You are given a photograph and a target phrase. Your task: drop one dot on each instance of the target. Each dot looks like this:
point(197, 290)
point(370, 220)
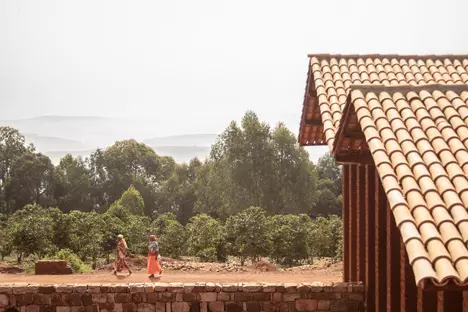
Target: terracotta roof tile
point(331, 76)
point(413, 112)
point(418, 137)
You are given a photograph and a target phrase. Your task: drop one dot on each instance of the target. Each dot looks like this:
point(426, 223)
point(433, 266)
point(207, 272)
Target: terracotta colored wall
point(178, 297)
point(374, 253)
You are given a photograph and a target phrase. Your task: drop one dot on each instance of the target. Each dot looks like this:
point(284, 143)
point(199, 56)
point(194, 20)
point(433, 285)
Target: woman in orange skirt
point(153, 258)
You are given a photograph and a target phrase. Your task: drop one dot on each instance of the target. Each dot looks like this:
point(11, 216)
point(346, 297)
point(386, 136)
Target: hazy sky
point(196, 65)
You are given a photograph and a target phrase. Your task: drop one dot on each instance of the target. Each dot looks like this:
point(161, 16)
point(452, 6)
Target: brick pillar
point(408, 291)
point(380, 247)
point(345, 212)
point(465, 301)
point(360, 222)
point(393, 263)
point(370, 208)
point(453, 301)
point(427, 301)
point(352, 224)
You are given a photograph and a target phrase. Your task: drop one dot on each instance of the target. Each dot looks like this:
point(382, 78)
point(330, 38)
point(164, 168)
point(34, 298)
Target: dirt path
point(176, 276)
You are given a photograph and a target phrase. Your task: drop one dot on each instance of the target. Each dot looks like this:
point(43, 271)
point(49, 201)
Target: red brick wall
point(178, 297)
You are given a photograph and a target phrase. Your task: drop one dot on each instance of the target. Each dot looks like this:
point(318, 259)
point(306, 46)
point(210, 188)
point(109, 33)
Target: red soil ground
point(191, 272)
point(139, 277)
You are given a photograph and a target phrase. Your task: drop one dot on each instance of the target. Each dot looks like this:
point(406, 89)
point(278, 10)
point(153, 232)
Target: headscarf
point(120, 236)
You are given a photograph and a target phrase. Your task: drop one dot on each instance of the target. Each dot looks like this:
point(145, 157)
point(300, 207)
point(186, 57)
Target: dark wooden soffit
point(311, 126)
point(350, 145)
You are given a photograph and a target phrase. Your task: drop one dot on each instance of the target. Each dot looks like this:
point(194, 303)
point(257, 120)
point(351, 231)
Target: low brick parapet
point(184, 297)
point(51, 267)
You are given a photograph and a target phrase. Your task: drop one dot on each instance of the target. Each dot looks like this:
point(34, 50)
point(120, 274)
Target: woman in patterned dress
point(121, 252)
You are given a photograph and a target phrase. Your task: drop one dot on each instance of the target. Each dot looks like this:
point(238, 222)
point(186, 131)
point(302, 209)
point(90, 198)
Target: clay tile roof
point(418, 138)
point(331, 76)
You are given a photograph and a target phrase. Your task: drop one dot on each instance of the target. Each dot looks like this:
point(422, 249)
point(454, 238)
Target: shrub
point(87, 235)
point(131, 199)
point(289, 238)
point(136, 234)
point(172, 240)
point(208, 254)
point(6, 241)
point(73, 260)
point(31, 229)
point(117, 210)
point(205, 234)
point(324, 236)
point(247, 234)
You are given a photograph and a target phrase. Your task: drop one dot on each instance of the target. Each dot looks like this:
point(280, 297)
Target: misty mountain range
point(56, 136)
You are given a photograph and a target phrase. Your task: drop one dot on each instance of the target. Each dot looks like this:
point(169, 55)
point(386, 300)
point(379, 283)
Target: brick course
point(178, 297)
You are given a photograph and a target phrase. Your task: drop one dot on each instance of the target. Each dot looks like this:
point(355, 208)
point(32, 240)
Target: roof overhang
point(311, 125)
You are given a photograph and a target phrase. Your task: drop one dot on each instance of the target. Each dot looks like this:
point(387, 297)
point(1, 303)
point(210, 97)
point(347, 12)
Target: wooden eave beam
point(364, 159)
point(313, 122)
point(354, 135)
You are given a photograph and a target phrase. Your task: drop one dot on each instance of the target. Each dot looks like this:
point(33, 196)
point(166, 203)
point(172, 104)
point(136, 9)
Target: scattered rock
point(11, 270)
point(263, 266)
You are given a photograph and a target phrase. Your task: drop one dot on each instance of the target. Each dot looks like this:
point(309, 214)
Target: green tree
point(87, 235)
point(12, 146)
point(328, 170)
point(209, 186)
point(288, 234)
point(172, 240)
point(131, 200)
point(73, 189)
point(178, 192)
point(98, 177)
point(324, 236)
point(242, 161)
point(158, 226)
point(116, 210)
point(327, 202)
point(32, 179)
point(171, 235)
point(6, 243)
point(136, 234)
point(247, 234)
point(130, 203)
point(32, 231)
point(336, 228)
point(61, 224)
point(250, 165)
point(293, 181)
point(206, 238)
point(131, 163)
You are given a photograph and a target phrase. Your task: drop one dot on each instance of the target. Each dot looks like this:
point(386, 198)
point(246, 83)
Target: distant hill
point(183, 153)
point(183, 140)
point(56, 136)
point(46, 144)
point(92, 131)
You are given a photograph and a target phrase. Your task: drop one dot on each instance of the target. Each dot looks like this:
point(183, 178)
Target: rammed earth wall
point(178, 297)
